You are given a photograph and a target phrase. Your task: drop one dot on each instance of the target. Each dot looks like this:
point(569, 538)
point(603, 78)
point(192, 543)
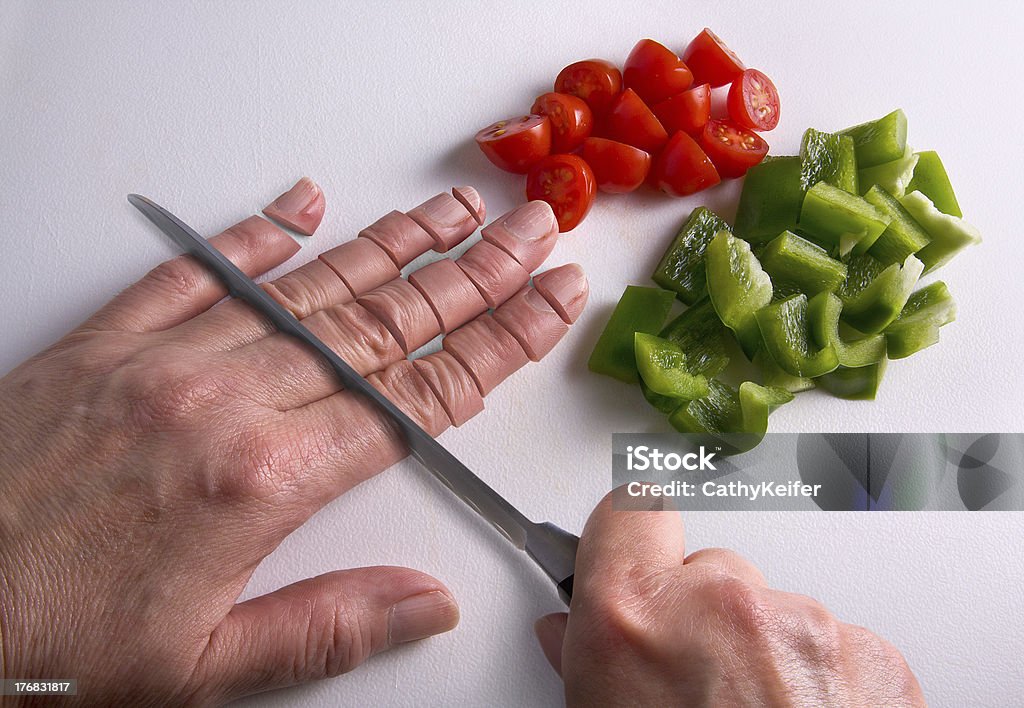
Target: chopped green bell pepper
point(860, 384)
point(639, 310)
point(736, 419)
point(918, 325)
point(785, 330)
point(823, 313)
point(773, 375)
point(701, 336)
point(893, 176)
point(873, 296)
point(949, 234)
point(665, 404)
point(662, 366)
point(682, 267)
point(931, 180)
point(796, 263)
point(840, 220)
point(903, 237)
point(770, 200)
point(738, 287)
point(828, 157)
point(878, 141)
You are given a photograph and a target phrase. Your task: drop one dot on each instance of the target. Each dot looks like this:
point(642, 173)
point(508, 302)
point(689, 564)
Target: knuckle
point(179, 276)
point(624, 609)
point(739, 606)
point(160, 393)
point(820, 634)
point(258, 466)
point(338, 640)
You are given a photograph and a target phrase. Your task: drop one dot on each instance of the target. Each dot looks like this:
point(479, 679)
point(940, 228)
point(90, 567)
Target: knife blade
point(552, 548)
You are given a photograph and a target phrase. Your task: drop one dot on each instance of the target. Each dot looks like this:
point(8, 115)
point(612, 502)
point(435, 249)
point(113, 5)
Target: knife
point(552, 548)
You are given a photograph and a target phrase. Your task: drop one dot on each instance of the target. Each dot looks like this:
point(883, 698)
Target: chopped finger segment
point(472, 200)
point(301, 208)
point(449, 292)
point(362, 264)
point(308, 288)
point(487, 351)
point(566, 290)
point(406, 388)
point(359, 338)
point(452, 385)
point(496, 274)
point(446, 219)
point(527, 233)
point(399, 236)
point(532, 321)
point(404, 311)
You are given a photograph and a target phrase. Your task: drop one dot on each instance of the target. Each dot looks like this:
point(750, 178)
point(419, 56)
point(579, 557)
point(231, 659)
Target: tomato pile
point(650, 123)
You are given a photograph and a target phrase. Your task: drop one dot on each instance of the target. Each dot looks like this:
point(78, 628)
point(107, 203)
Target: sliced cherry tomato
point(516, 144)
point(565, 182)
point(753, 101)
point(655, 72)
point(710, 60)
point(630, 121)
point(570, 116)
point(596, 81)
point(689, 110)
point(732, 149)
point(682, 167)
point(617, 167)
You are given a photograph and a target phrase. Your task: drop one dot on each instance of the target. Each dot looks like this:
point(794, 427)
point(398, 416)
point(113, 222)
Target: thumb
point(550, 631)
point(321, 627)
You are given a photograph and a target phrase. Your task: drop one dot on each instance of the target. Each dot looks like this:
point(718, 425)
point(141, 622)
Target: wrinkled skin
point(650, 625)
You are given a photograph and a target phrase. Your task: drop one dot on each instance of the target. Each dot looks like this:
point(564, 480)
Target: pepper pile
point(650, 123)
point(816, 284)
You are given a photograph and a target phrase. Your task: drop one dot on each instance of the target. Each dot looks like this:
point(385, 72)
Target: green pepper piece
point(903, 237)
point(949, 234)
point(828, 157)
point(918, 325)
point(738, 287)
point(662, 366)
point(639, 310)
point(770, 200)
point(931, 180)
point(786, 333)
point(893, 176)
point(823, 313)
point(859, 384)
point(840, 220)
point(682, 267)
point(796, 263)
point(665, 404)
point(878, 141)
point(701, 336)
point(873, 296)
point(773, 375)
point(736, 419)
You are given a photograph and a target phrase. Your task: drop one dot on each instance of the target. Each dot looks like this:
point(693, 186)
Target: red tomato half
point(630, 121)
point(689, 110)
point(732, 149)
point(753, 101)
point(565, 182)
point(596, 81)
point(710, 60)
point(571, 119)
point(516, 143)
point(655, 72)
point(617, 167)
point(682, 168)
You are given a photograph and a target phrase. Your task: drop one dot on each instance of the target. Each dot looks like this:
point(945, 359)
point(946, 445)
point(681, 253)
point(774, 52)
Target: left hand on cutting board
point(155, 455)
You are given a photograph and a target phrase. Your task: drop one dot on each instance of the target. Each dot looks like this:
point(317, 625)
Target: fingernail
point(531, 221)
point(566, 290)
point(421, 616)
point(297, 199)
point(300, 208)
point(471, 199)
point(446, 219)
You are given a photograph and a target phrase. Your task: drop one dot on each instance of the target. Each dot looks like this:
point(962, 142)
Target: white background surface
point(214, 109)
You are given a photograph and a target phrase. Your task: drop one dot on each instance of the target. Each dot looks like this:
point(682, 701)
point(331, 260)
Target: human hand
point(155, 455)
point(652, 626)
